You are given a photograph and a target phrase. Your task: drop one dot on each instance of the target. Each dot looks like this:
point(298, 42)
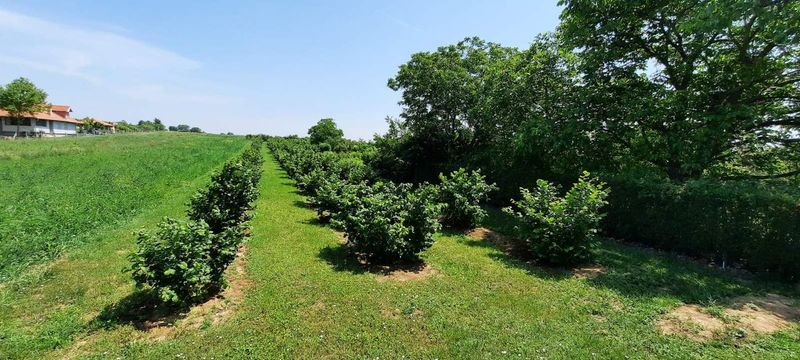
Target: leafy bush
point(310, 182)
point(336, 198)
point(185, 261)
point(395, 223)
point(175, 260)
point(462, 194)
point(352, 169)
point(749, 223)
point(561, 231)
point(228, 200)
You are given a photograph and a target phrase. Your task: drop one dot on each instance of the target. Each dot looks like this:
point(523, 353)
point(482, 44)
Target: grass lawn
point(305, 298)
point(58, 193)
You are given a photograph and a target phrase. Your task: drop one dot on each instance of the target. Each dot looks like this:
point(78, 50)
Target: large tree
point(688, 86)
point(496, 107)
point(22, 99)
point(443, 92)
point(326, 134)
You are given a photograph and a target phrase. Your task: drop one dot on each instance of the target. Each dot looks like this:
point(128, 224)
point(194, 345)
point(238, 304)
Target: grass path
point(308, 299)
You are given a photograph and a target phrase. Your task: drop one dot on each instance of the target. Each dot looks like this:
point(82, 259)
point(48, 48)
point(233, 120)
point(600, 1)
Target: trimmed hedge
point(734, 222)
point(228, 200)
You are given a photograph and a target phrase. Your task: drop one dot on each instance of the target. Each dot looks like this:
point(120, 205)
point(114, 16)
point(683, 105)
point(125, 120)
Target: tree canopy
point(21, 97)
point(680, 88)
point(326, 134)
point(688, 86)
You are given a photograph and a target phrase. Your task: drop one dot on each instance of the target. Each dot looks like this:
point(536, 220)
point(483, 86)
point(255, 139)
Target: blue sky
point(243, 66)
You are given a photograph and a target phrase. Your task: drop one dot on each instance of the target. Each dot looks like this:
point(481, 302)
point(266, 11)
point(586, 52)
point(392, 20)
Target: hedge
point(731, 222)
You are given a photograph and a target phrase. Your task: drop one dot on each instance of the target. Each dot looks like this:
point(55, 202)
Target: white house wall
point(59, 128)
point(62, 128)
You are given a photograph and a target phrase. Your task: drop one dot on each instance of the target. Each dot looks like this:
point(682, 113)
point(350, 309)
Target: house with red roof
point(56, 121)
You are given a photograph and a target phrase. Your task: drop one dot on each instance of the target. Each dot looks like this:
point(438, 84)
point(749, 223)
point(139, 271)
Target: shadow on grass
point(641, 272)
point(510, 254)
point(342, 259)
point(302, 204)
point(629, 270)
point(142, 309)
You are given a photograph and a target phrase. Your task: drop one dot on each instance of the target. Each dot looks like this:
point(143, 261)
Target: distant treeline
point(154, 125)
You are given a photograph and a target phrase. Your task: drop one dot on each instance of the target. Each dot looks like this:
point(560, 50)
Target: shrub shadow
point(646, 273)
point(302, 204)
point(143, 310)
point(630, 270)
point(343, 260)
point(340, 259)
point(509, 252)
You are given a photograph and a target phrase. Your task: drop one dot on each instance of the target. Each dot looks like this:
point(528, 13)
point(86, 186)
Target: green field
point(299, 295)
point(59, 193)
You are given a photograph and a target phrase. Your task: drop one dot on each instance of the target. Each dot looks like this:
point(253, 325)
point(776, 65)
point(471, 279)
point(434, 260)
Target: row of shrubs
point(741, 223)
point(737, 223)
point(184, 261)
point(386, 222)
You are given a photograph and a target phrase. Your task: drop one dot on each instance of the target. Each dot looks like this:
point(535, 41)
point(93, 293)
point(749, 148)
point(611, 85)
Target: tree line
point(154, 125)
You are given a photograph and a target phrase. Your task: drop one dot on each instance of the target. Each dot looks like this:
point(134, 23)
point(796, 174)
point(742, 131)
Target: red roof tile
point(63, 108)
point(48, 115)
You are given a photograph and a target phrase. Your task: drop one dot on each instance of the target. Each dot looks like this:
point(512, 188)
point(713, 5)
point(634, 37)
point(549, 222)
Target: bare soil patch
point(505, 243)
point(753, 314)
point(691, 321)
point(765, 314)
point(403, 273)
point(589, 271)
point(399, 272)
point(223, 305)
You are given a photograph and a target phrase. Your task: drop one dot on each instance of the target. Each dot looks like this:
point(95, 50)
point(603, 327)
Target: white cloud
point(105, 60)
point(77, 50)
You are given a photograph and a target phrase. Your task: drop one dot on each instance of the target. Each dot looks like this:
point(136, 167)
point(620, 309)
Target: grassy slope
point(45, 305)
point(309, 300)
point(58, 193)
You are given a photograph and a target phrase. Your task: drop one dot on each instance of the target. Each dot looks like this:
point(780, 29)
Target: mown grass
point(58, 193)
point(309, 299)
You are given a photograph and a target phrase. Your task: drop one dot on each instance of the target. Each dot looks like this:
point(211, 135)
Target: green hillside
point(58, 193)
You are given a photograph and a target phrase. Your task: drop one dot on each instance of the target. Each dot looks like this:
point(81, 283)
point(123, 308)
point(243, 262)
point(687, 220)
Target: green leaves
point(21, 97)
point(326, 135)
point(174, 260)
point(684, 85)
point(560, 230)
point(185, 261)
point(462, 194)
point(395, 223)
